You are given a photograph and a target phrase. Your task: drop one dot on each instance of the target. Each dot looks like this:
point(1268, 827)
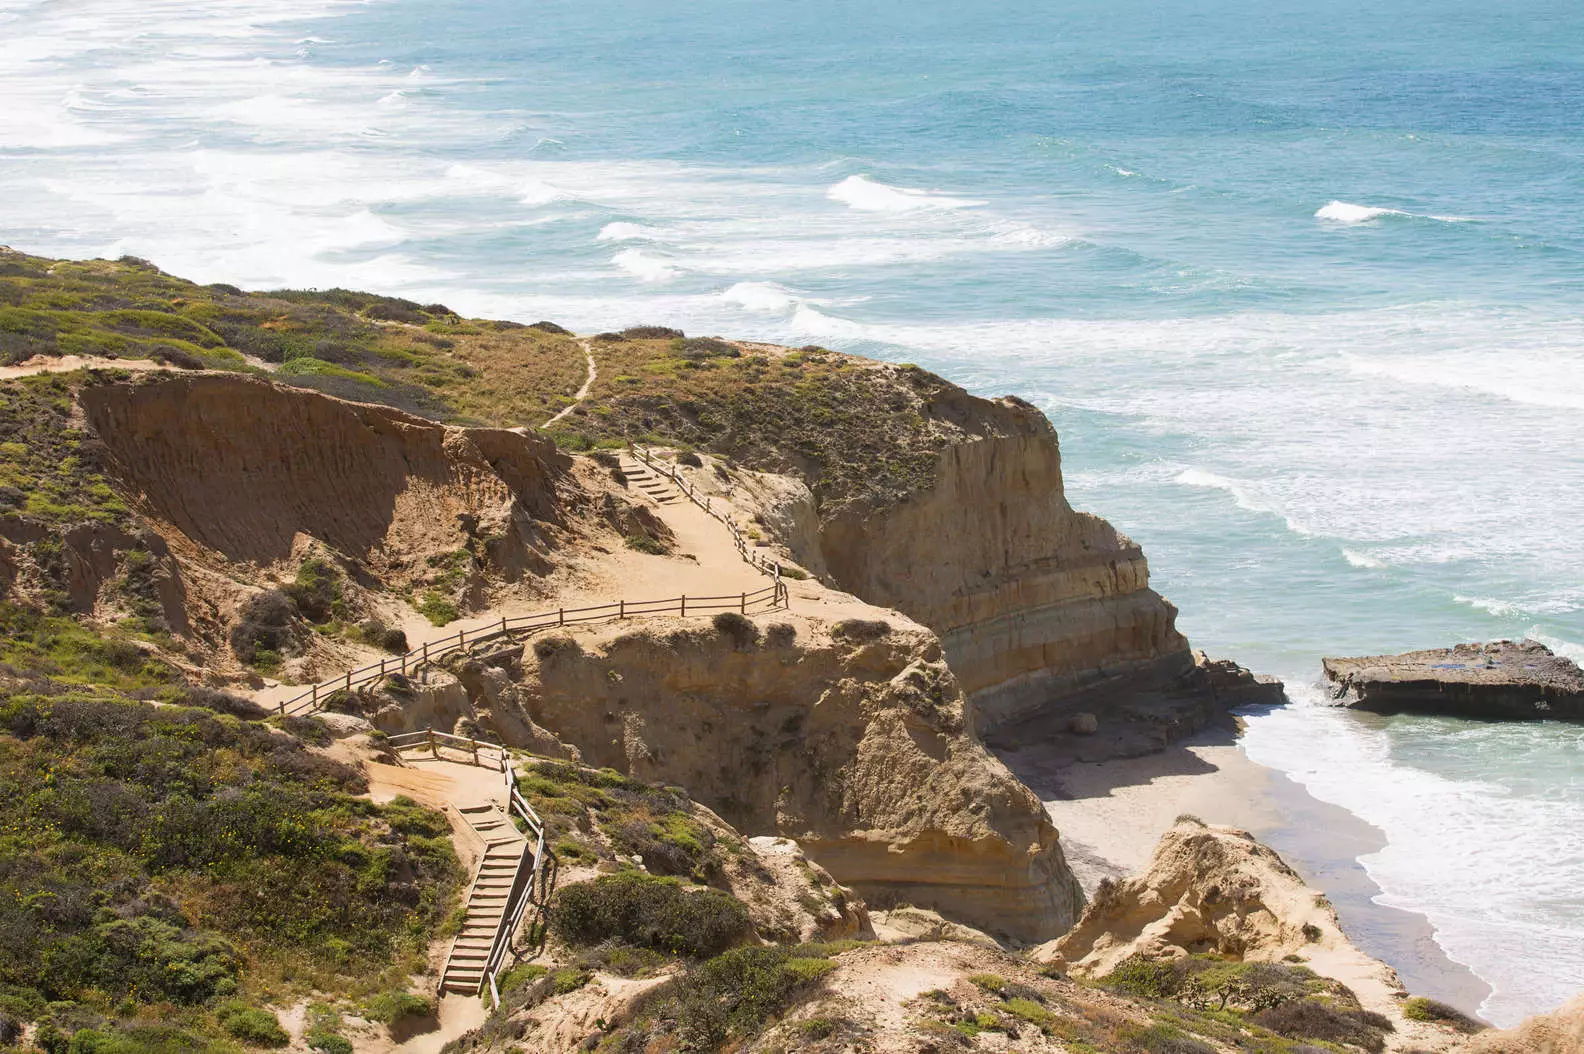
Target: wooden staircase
point(507, 861)
point(650, 483)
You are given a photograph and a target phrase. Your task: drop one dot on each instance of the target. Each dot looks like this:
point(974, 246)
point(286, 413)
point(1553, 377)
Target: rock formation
point(1207, 889)
point(1503, 679)
point(856, 748)
point(1032, 599)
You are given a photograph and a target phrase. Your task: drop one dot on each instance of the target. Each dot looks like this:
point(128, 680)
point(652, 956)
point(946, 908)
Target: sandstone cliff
point(850, 741)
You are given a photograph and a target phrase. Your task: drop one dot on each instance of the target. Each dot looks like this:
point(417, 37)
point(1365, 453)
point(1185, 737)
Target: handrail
point(521, 893)
point(771, 597)
point(765, 564)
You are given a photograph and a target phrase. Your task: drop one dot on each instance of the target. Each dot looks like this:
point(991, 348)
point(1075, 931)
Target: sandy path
point(582, 393)
point(69, 363)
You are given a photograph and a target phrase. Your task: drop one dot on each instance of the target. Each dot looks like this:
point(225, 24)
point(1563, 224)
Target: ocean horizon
point(1301, 289)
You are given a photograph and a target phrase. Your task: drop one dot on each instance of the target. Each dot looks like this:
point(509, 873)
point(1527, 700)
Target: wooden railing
point(522, 893)
point(746, 551)
point(769, 598)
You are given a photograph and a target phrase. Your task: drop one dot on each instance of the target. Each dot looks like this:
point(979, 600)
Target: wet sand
point(1112, 813)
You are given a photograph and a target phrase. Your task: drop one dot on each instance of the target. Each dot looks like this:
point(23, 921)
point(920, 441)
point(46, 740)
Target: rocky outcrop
point(1510, 680)
point(1559, 1032)
point(1207, 889)
point(855, 748)
point(1032, 599)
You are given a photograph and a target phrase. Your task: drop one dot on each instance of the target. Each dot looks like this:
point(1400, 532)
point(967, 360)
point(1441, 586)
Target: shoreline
point(1112, 813)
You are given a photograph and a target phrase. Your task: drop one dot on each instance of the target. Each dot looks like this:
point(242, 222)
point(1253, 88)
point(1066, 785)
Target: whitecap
point(621, 231)
point(1351, 215)
point(868, 195)
point(1364, 560)
point(644, 268)
point(1241, 494)
point(764, 297)
point(536, 193)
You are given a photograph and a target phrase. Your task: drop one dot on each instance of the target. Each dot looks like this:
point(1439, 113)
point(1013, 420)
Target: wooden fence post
point(433, 750)
point(684, 605)
point(745, 603)
point(621, 608)
point(560, 616)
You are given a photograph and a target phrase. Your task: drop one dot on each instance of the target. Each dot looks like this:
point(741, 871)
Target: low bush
point(738, 993)
point(1317, 1020)
point(780, 634)
point(649, 912)
point(327, 1042)
point(651, 333)
point(1141, 976)
point(1162, 1038)
point(391, 1006)
point(740, 629)
point(1421, 1009)
point(549, 327)
point(255, 1027)
point(690, 459)
point(861, 629)
point(267, 624)
point(438, 608)
point(643, 543)
point(222, 703)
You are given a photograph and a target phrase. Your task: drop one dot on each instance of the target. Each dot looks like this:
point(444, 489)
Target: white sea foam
point(536, 192)
point(765, 297)
point(644, 267)
point(868, 195)
point(1439, 830)
point(621, 231)
point(1364, 560)
point(1244, 495)
point(1345, 212)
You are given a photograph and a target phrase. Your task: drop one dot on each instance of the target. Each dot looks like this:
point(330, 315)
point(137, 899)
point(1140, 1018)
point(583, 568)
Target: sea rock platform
point(1510, 680)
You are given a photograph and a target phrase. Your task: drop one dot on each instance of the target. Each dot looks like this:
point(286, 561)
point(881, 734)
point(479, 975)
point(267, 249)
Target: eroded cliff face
point(856, 748)
point(1032, 599)
point(243, 468)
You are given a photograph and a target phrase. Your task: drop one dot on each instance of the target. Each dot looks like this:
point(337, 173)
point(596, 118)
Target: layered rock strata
point(1509, 680)
point(1032, 599)
point(853, 745)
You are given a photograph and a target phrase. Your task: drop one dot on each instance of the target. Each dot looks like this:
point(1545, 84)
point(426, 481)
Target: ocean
point(1301, 286)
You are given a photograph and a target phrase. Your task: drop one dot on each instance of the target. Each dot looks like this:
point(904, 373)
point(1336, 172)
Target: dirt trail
point(71, 363)
point(582, 393)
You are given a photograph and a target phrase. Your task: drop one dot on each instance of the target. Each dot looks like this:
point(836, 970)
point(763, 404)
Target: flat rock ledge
point(1509, 680)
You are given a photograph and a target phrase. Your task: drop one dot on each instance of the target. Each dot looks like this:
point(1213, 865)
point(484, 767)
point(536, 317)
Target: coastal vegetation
point(172, 869)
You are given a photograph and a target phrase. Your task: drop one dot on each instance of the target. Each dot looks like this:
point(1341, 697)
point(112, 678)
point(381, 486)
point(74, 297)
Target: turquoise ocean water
point(1302, 286)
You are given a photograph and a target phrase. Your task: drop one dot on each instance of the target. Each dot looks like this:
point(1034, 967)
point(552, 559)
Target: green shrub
point(1317, 1020)
point(1161, 1038)
point(267, 624)
point(643, 543)
point(989, 982)
point(1150, 978)
point(316, 593)
point(739, 628)
point(649, 912)
point(738, 993)
point(861, 629)
point(255, 1027)
point(391, 1006)
point(327, 1042)
point(1029, 1011)
point(438, 608)
point(1421, 1009)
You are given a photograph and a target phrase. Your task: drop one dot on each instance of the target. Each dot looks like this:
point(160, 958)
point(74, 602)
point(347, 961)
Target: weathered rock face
point(1514, 681)
point(1207, 889)
point(242, 467)
point(855, 749)
point(1031, 599)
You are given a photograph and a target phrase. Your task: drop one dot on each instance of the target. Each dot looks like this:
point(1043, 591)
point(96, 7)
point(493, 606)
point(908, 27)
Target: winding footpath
point(582, 393)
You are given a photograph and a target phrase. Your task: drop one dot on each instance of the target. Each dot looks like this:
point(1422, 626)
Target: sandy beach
point(1112, 813)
